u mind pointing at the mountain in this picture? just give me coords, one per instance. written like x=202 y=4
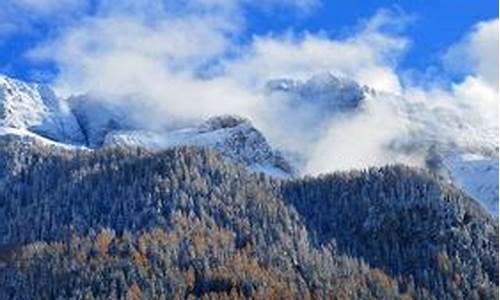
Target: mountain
x=35 y=108
x=187 y=223
x=329 y=93
x=32 y=111
x=432 y=130
x=232 y=136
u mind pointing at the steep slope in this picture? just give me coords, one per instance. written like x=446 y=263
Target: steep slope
x=35 y=108
x=186 y=222
x=477 y=175
x=401 y=220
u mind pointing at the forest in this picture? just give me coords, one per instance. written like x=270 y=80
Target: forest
x=186 y=223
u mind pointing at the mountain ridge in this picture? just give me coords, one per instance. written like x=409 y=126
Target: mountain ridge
x=87 y=122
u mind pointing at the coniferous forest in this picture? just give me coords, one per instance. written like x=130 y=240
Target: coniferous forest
x=185 y=223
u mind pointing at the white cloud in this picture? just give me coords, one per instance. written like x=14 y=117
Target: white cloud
x=289 y=56
x=474 y=101
x=367 y=56
x=118 y=52
x=477 y=53
x=362 y=140
x=157 y=57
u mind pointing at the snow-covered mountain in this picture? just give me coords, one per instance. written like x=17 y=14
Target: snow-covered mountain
x=327 y=93
x=430 y=128
x=35 y=108
x=33 y=111
x=233 y=136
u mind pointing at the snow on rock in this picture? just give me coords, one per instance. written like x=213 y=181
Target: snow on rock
x=35 y=108
x=27 y=136
x=232 y=136
x=477 y=175
x=330 y=93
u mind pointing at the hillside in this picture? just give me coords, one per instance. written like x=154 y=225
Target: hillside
x=129 y=222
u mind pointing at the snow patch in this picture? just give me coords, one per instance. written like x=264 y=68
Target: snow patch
x=477 y=175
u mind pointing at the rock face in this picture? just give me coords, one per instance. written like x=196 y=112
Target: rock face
x=97 y=118
x=329 y=93
x=35 y=108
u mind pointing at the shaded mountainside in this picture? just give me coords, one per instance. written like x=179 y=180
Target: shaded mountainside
x=131 y=223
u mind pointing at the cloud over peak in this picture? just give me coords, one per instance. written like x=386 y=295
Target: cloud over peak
x=184 y=61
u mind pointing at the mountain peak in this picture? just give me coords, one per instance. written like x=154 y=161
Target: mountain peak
x=223 y=121
x=35 y=108
x=330 y=93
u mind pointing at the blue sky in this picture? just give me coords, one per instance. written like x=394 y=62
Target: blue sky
x=434 y=27
x=437 y=24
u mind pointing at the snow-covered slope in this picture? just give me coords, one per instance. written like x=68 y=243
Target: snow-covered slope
x=27 y=136
x=232 y=136
x=477 y=175
x=35 y=108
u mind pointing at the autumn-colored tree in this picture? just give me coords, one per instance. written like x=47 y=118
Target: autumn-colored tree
x=134 y=292
x=103 y=240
